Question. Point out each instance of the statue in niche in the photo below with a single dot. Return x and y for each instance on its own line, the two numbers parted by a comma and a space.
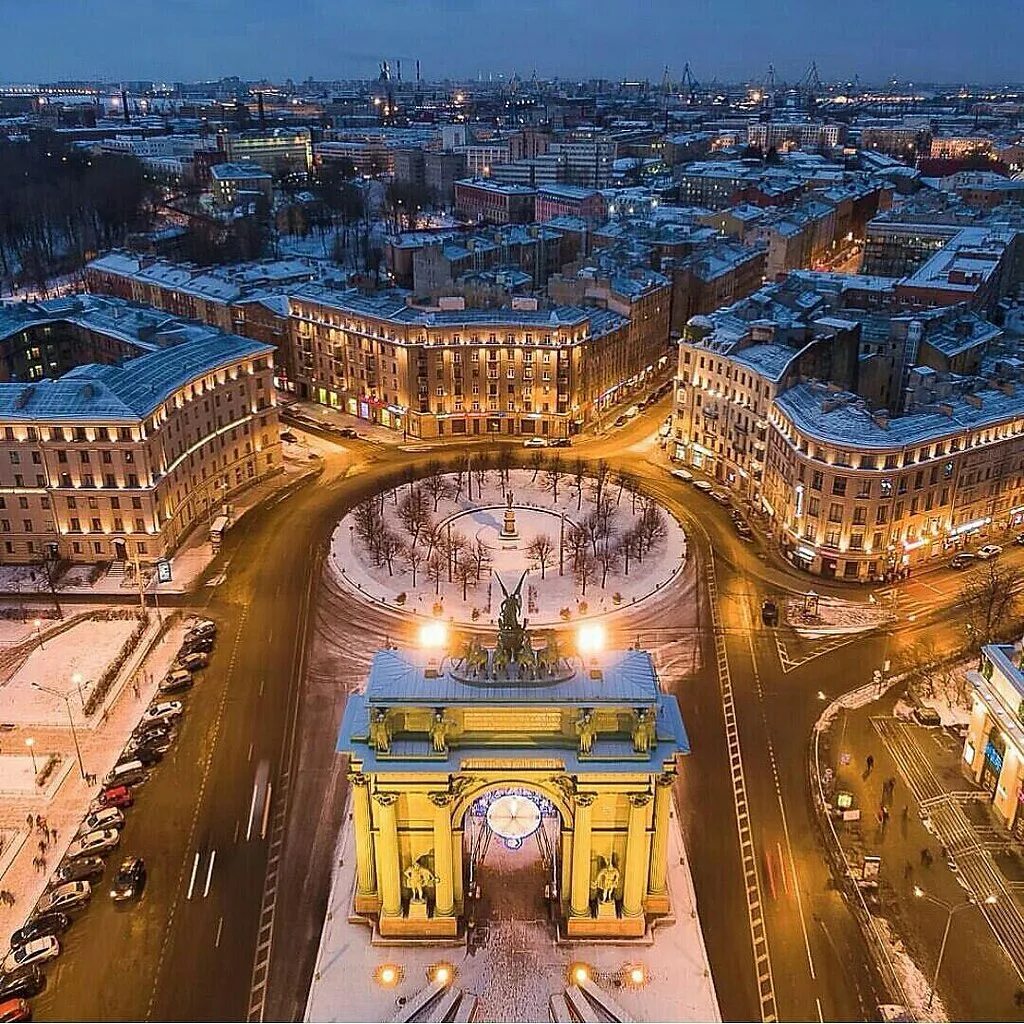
606, 882
418, 879
586, 730
643, 730
380, 735
439, 732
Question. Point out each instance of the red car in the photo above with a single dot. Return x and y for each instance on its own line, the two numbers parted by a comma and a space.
15, 1009
116, 796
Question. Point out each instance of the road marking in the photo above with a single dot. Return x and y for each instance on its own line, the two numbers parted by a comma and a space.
220, 928
252, 810
238, 828
266, 811
248, 756
755, 915
262, 684
192, 880
778, 796
821, 1016
209, 874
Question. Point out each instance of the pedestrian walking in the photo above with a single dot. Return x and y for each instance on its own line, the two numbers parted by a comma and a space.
924, 856
28, 820
53, 833
870, 762
906, 813
908, 871
42, 846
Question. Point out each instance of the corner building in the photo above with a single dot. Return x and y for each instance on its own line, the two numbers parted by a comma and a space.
121, 428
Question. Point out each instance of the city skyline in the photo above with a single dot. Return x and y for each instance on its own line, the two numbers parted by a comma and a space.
732, 41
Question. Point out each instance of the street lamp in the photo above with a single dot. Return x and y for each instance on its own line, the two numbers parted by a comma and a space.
77, 680
67, 703
31, 743
38, 623
951, 910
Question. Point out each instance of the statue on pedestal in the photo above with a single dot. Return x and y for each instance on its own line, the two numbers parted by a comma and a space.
418, 878
606, 882
380, 735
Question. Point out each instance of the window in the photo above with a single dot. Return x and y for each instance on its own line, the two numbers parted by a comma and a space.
816, 480
839, 485
835, 512
859, 515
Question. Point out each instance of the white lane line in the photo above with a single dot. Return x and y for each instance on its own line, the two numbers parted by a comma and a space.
252, 811
262, 684
238, 828
821, 1016
209, 874
220, 928
249, 755
266, 811
192, 880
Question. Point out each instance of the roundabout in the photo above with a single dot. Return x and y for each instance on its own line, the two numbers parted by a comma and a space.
448, 545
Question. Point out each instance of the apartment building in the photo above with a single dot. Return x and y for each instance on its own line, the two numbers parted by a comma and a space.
122, 427
479, 200
276, 150
436, 373
235, 183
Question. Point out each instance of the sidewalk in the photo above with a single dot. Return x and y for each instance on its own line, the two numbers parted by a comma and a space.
101, 741
516, 965
910, 763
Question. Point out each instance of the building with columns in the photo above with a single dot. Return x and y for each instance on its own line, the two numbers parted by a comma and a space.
994, 747
513, 744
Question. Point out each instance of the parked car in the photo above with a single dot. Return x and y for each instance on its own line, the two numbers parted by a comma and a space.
769, 612
146, 731
15, 1010
683, 474
535, 442
202, 628
743, 529
703, 486
99, 842
130, 879
67, 896
159, 740
82, 869
926, 716
989, 551
125, 773
176, 681
163, 711
348, 432
109, 817
38, 951
114, 796
53, 923
148, 754
287, 435
23, 983
962, 560
560, 442
194, 661
620, 421
720, 496
200, 645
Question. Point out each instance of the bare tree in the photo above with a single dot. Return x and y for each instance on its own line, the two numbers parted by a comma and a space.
608, 560
600, 473
651, 525
390, 545
369, 525
453, 545
481, 555
480, 479
413, 557
436, 482
989, 598
459, 476
627, 483
537, 461
414, 513
579, 474
577, 540
465, 573
586, 571
505, 461
553, 476
437, 569
542, 551
629, 544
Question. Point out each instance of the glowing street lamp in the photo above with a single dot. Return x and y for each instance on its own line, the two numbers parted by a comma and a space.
38, 623
31, 743
433, 635
590, 639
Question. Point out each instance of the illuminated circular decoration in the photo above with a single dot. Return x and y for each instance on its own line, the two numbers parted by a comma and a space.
514, 817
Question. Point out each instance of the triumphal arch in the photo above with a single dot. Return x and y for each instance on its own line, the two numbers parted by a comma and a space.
518, 741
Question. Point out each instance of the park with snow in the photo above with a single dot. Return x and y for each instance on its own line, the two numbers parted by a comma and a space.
589, 541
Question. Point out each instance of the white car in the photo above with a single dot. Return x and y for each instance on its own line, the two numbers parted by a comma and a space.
683, 474
35, 952
109, 817
989, 551
162, 711
68, 896
535, 442
101, 841
703, 486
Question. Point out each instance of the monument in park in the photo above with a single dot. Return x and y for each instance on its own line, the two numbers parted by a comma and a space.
504, 737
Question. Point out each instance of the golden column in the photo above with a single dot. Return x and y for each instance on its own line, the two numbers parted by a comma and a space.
444, 888
635, 883
389, 865
580, 905
366, 870
657, 887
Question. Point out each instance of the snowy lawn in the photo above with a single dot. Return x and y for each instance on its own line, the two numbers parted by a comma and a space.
435, 550
19, 774
85, 650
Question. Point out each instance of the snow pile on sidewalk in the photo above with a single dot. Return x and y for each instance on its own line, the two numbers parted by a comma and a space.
916, 986
834, 616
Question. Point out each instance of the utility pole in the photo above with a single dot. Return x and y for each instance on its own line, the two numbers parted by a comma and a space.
71, 721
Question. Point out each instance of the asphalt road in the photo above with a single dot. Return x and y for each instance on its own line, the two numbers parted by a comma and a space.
178, 957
